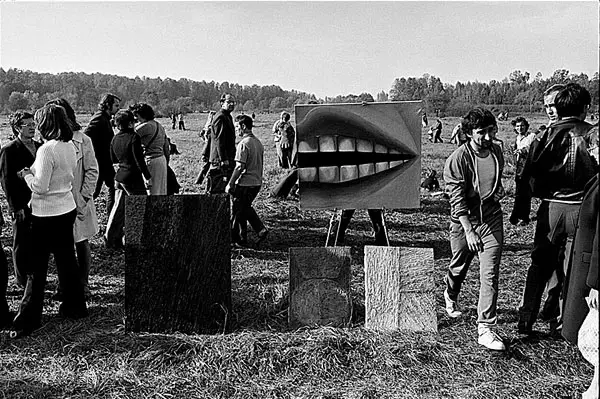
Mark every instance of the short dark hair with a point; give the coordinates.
(142, 109)
(106, 101)
(53, 124)
(68, 109)
(224, 97)
(572, 100)
(520, 119)
(123, 118)
(477, 118)
(244, 120)
(16, 120)
(285, 116)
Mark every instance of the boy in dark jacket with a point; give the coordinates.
(473, 181)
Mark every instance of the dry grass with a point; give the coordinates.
(261, 357)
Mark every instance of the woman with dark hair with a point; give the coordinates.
(132, 178)
(53, 209)
(520, 150)
(155, 144)
(86, 176)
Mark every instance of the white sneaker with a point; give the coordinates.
(451, 306)
(490, 340)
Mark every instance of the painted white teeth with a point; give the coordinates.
(327, 144)
(348, 172)
(381, 166)
(329, 174)
(307, 174)
(380, 149)
(393, 164)
(394, 151)
(309, 145)
(346, 144)
(366, 169)
(364, 145)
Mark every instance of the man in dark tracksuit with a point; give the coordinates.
(222, 146)
(101, 132)
(557, 169)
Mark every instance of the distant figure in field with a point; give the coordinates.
(435, 133)
(284, 136)
(245, 184)
(205, 134)
(101, 132)
(424, 121)
(473, 181)
(520, 149)
(181, 121)
(458, 136)
(431, 183)
(222, 146)
(173, 120)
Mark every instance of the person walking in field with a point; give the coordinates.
(101, 132)
(473, 175)
(173, 120)
(437, 131)
(557, 169)
(284, 136)
(181, 121)
(520, 150)
(222, 146)
(16, 155)
(245, 184)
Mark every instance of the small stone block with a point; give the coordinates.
(177, 263)
(319, 292)
(399, 289)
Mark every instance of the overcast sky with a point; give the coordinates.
(325, 48)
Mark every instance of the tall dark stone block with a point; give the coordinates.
(177, 263)
(320, 287)
(399, 289)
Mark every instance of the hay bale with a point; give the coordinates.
(320, 287)
(399, 289)
(177, 263)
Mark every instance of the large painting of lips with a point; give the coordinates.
(360, 156)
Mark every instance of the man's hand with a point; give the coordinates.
(592, 299)
(23, 172)
(229, 188)
(474, 241)
(19, 216)
(148, 183)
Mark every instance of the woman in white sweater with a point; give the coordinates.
(53, 209)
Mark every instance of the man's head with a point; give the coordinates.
(549, 105)
(520, 124)
(142, 112)
(109, 103)
(481, 126)
(243, 124)
(68, 109)
(572, 101)
(22, 124)
(124, 119)
(285, 116)
(227, 102)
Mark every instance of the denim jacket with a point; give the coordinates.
(462, 185)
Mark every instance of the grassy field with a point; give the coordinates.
(261, 357)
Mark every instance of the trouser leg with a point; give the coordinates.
(21, 248)
(461, 259)
(345, 219)
(4, 311)
(238, 218)
(84, 260)
(251, 215)
(492, 235)
(116, 221)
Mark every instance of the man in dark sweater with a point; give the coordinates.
(222, 146)
(101, 132)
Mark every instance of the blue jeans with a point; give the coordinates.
(492, 235)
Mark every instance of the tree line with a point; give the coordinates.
(24, 89)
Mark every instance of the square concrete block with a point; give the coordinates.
(320, 287)
(399, 289)
(177, 263)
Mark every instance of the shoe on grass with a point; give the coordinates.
(451, 306)
(490, 339)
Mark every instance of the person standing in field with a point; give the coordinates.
(101, 132)
(424, 121)
(458, 136)
(557, 168)
(520, 150)
(132, 178)
(181, 121)
(156, 146)
(473, 175)
(205, 155)
(222, 146)
(53, 208)
(16, 155)
(84, 183)
(437, 131)
(173, 120)
(284, 136)
(245, 184)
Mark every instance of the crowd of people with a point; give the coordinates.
(51, 185)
